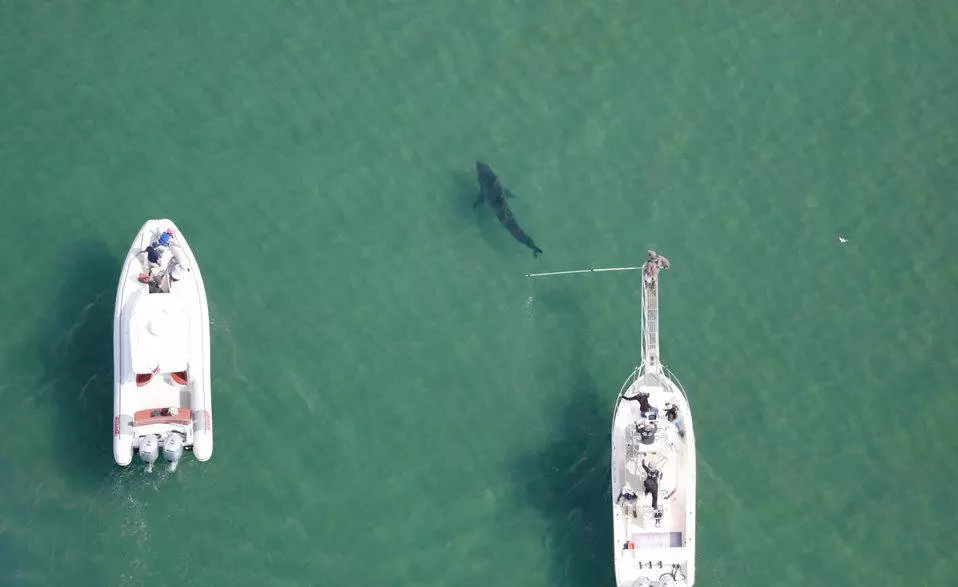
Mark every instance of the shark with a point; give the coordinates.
(491, 191)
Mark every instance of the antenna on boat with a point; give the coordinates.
(593, 270)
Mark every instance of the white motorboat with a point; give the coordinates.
(653, 464)
(161, 352)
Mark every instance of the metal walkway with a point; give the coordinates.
(650, 325)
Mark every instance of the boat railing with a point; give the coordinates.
(661, 374)
(675, 380)
(636, 372)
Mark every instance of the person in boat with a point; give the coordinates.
(654, 263)
(628, 495)
(153, 271)
(672, 415)
(646, 430)
(154, 252)
(645, 408)
(649, 274)
(660, 260)
(165, 238)
(652, 477)
(631, 499)
(176, 272)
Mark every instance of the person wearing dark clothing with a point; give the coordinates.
(652, 477)
(646, 431)
(643, 398)
(155, 250)
(652, 266)
(672, 415)
(631, 499)
(627, 495)
(153, 254)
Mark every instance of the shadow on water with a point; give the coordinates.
(568, 480)
(79, 356)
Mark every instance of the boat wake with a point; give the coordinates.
(130, 489)
(218, 325)
(133, 529)
(63, 347)
(738, 506)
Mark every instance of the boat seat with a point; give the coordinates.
(144, 417)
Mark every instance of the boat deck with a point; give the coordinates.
(152, 404)
(649, 541)
(161, 319)
(659, 455)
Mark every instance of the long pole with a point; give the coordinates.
(596, 270)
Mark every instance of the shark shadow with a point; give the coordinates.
(568, 479)
(78, 352)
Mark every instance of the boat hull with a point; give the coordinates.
(163, 400)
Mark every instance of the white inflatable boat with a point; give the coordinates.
(161, 352)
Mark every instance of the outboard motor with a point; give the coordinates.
(149, 450)
(173, 449)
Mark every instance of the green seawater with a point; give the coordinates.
(395, 403)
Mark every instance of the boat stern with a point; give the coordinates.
(654, 566)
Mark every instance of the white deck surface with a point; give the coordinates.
(670, 539)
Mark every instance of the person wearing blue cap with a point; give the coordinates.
(155, 250)
(154, 255)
